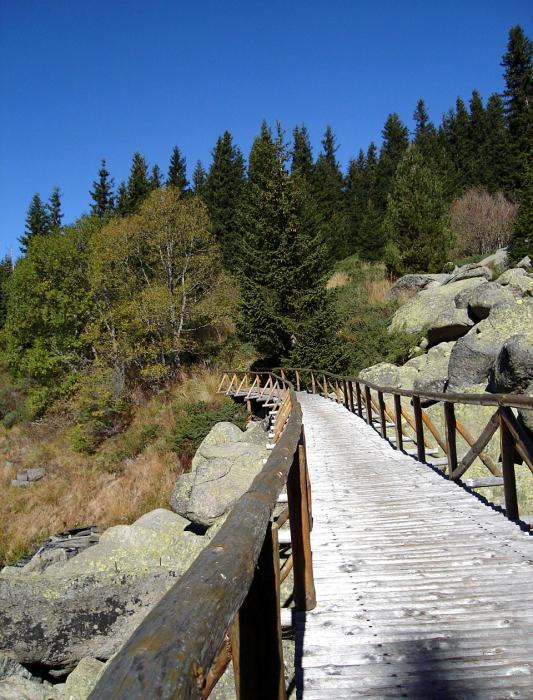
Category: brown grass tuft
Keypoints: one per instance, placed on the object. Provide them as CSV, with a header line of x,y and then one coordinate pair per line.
x,y
338,279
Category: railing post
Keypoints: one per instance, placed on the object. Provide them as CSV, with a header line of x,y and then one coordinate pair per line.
x,y
451,437
350,396
325,383
419,426
359,400
508,470
297,380
313,383
256,632
382,416
368,401
299,520
398,421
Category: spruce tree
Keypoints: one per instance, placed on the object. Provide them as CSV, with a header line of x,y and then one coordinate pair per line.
x,y
199,177
433,148
138,186
302,153
177,171
6,270
222,193
37,222
356,196
395,142
122,207
328,192
457,127
416,224
497,148
478,137
156,177
54,210
518,96
423,124
102,193
522,237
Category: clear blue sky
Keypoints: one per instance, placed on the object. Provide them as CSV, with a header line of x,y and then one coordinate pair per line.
x,y
86,79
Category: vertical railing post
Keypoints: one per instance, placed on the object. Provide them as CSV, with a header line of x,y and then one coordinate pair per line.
x,y
350,396
325,383
359,400
299,520
419,427
368,401
313,383
451,437
398,421
297,380
383,419
256,632
508,469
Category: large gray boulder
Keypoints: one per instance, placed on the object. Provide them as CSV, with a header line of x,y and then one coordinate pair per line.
x,y
408,285
222,470
89,605
17,688
518,281
473,357
469,271
433,311
10,667
480,300
526,417
83,679
498,260
513,371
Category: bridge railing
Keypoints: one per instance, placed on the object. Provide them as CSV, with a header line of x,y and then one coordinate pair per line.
x,y
382,407
226,607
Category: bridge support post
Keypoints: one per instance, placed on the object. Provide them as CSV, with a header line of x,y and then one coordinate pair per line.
x,y
300,523
398,421
368,402
350,397
451,438
359,400
508,470
419,427
255,633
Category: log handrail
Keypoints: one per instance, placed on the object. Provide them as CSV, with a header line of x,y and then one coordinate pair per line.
x,y
180,649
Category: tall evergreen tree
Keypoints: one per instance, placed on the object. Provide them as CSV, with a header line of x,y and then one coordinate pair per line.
x,y
395,142
54,210
328,192
222,194
456,127
199,177
478,136
302,153
416,223
138,186
102,193
177,171
156,177
497,148
433,148
6,270
122,206
423,124
522,237
518,72
37,222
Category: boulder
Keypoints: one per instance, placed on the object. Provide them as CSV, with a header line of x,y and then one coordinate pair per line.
x,y
90,604
474,356
518,281
82,680
220,473
17,688
408,285
498,260
525,262
513,371
433,311
433,368
469,271
10,667
526,417
480,300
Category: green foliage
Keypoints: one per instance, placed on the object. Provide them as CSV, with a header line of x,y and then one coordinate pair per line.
x,y
127,445
522,237
37,222
102,193
55,214
196,420
199,177
416,223
138,186
395,143
6,270
177,171
302,154
10,418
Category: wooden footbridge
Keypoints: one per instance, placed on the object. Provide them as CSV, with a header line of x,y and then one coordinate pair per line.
x,y
406,583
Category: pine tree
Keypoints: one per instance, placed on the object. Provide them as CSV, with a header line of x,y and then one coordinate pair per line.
x,y
416,224
328,191
156,177
522,238
518,72
102,193
395,142
122,206
199,177
433,148
37,222
222,193
423,124
177,171
302,153
138,186
54,210
478,136
6,270
497,148
456,128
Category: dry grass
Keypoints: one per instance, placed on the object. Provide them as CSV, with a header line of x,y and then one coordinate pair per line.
x,y
78,490
377,290
338,279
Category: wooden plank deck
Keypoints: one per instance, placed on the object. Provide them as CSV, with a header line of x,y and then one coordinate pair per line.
x,y
423,591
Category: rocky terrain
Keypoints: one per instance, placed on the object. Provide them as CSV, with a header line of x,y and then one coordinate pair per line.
x,y
475,326
62,618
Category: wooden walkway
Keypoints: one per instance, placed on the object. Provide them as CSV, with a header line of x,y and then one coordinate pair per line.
x,y
423,591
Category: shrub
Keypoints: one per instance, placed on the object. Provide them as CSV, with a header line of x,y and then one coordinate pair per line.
x,y
10,418
198,420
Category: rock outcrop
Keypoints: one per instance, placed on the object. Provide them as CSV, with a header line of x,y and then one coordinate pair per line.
x,y
222,469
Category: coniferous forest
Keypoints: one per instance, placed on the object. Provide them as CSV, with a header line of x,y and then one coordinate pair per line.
x,y
233,266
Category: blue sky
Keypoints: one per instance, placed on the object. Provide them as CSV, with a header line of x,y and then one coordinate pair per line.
x,y
82,80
